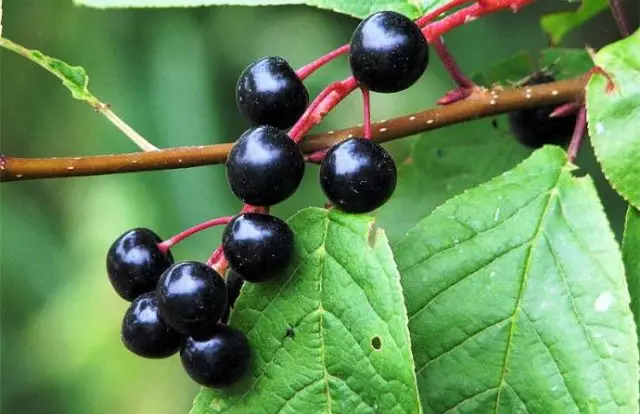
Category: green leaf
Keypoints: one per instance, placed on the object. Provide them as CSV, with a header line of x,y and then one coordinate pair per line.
x,y
517,300
330,335
73,77
439,166
359,8
631,256
557,25
614,116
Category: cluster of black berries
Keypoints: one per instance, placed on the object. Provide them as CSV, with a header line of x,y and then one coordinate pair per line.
x,y
388,53
180,306
184,306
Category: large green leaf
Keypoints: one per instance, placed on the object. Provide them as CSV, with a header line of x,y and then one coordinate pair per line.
x,y
557,25
331,334
517,299
614,116
631,256
447,161
441,166
356,8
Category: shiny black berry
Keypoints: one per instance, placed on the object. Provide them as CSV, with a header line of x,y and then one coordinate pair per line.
x,y
264,166
388,52
358,175
135,263
533,127
234,284
257,245
270,93
192,297
218,361
143,331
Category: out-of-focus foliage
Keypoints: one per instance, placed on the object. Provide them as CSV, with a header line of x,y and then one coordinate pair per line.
x,y
171,74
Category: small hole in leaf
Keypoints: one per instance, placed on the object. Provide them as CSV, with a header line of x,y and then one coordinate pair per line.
x,y
439,153
376,343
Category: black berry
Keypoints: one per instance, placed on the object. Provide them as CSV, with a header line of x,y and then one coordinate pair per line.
x,y
219,361
192,297
264,166
143,331
257,246
533,127
358,175
234,284
388,52
135,263
270,93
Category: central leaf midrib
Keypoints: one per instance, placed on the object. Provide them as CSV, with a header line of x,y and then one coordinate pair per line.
x,y
552,195
323,356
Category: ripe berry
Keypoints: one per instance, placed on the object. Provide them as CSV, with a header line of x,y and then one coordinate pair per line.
x,y
270,93
534,128
358,175
264,166
192,297
219,361
234,284
144,333
388,52
257,245
135,263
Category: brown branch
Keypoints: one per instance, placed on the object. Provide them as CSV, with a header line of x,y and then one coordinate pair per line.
x,y
481,103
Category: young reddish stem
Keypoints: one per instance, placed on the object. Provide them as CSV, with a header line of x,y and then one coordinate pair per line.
x,y
307,70
169,243
567,109
465,85
315,157
468,14
326,100
366,106
611,85
424,20
578,133
450,64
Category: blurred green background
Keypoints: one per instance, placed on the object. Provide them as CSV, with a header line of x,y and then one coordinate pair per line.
x,y
171,74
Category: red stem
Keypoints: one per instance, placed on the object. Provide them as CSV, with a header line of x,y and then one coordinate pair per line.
x,y
469,14
307,70
331,96
450,64
169,243
421,22
366,106
578,133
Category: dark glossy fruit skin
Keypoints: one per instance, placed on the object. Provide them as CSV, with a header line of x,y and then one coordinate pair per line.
x,y
219,361
192,297
358,175
144,333
234,284
388,52
257,245
135,263
534,128
264,166
270,93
